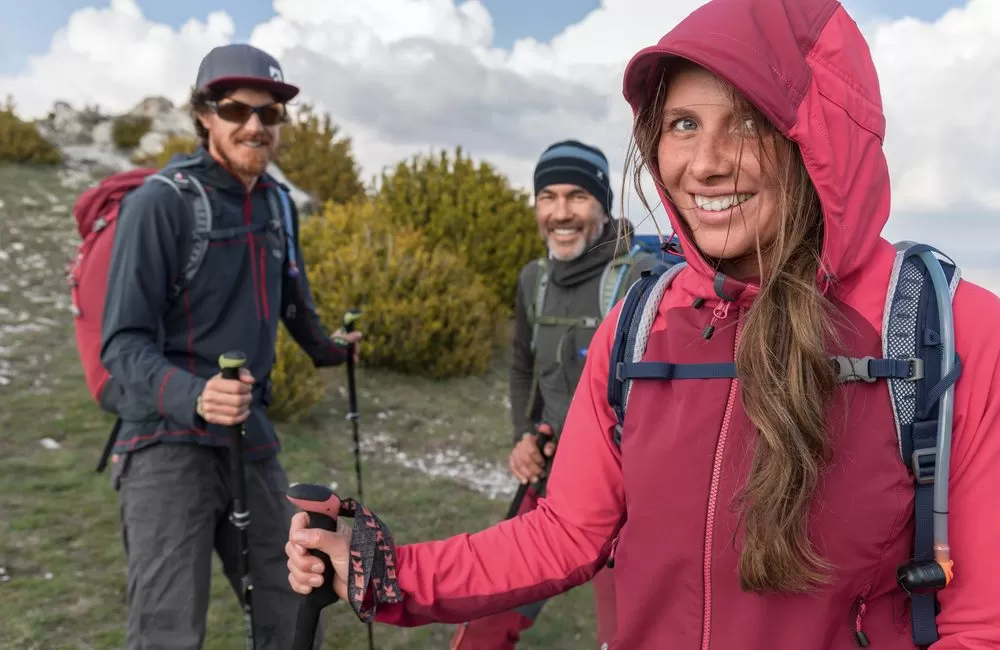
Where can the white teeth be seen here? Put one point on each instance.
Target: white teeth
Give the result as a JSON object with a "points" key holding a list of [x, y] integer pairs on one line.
{"points": [[253, 145], [718, 204]]}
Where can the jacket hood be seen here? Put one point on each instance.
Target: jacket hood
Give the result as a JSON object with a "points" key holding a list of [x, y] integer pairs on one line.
{"points": [[806, 66]]}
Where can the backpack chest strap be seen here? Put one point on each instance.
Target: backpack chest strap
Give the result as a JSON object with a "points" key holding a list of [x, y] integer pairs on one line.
{"points": [[849, 369], [569, 321]]}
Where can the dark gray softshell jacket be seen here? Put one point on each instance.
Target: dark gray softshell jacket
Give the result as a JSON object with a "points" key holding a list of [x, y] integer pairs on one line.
{"points": [[233, 303], [561, 350]]}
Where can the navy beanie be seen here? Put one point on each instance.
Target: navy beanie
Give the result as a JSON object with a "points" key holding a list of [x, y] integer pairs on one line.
{"points": [[573, 162]]}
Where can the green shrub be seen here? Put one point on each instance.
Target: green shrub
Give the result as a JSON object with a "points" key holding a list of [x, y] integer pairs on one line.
{"points": [[314, 159], [423, 312], [20, 141], [471, 209], [297, 383], [174, 145], [127, 131]]}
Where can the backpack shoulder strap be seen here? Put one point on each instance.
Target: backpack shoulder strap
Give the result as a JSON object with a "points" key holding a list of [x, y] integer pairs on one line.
{"points": [[613, 278], [635, 320], [189, 188], [918, 328], [281, 218], [538, 302]]}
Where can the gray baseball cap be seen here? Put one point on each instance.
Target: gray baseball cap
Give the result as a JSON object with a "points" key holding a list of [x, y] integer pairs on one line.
{"points": [[239, 64]]}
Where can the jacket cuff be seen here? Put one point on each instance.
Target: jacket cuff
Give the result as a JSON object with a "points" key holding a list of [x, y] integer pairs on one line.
{"points": [[178, 398]]}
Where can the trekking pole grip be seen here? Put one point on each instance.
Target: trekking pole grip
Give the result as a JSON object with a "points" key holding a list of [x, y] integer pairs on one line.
{"points": [[230, 364], [543, 436], [350, 317], [323, 506]]}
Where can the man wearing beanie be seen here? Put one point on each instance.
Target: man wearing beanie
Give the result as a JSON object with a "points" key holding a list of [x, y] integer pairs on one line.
{"points": [[561, 299]]}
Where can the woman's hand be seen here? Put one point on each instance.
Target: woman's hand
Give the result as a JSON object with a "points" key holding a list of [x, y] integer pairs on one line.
{"points": [[305, 571]]}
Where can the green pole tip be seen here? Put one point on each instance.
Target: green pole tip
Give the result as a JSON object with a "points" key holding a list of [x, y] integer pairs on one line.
{"points": [[232, 360]]}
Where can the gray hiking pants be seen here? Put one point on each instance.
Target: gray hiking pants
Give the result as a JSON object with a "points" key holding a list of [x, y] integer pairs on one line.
{"points": [[175, 502]]}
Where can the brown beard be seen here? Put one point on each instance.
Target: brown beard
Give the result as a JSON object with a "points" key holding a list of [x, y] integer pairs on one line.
{"points": [[241, 167]]}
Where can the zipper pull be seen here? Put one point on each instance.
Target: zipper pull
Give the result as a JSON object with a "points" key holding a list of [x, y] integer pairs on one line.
{"points": [[719, 313], [611, 557], [859, 634]]}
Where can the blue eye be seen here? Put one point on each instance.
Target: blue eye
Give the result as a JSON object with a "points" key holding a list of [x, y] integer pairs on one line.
{"points": [[683, 124]]}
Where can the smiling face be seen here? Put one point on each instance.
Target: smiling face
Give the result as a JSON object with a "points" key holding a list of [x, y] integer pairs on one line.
{"points": [[570, 220], [238, 138], [710, 166]]}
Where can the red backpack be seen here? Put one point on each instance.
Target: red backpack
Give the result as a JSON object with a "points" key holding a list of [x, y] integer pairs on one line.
{"points": [[96, 213]]}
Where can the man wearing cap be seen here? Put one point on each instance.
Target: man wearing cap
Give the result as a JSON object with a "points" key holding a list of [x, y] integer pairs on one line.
{"points": [[171, 456], [561, 299]]}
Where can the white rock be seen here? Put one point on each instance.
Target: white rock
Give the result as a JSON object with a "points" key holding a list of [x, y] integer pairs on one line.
{"points": [[49, 443], [101, 135], [151, 144]]}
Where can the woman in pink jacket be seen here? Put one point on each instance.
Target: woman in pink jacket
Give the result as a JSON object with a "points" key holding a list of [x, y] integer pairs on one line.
{"points": [[773, 511]]}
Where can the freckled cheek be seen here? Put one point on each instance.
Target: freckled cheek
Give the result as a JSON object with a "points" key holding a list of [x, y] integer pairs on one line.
{"points": [[670, 177]]}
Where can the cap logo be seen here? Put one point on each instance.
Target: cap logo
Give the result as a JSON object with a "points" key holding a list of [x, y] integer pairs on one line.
{"points": [[275, 73]]}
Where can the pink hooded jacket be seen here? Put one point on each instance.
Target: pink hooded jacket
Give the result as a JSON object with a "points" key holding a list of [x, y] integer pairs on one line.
{"points": [[664, 501]]}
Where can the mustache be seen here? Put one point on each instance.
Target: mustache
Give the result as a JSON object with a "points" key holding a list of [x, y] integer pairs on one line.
{"points": [[255, 139]]}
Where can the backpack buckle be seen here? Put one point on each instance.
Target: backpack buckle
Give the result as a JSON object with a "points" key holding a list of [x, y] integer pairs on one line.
{"points": [[923, 462], [916, 369], [851, 369]]}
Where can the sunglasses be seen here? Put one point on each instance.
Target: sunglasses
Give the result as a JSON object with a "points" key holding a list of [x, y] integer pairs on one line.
{"points": [[238, 112]]}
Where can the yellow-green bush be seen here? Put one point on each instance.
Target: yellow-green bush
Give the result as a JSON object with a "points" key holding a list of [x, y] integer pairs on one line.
{"points": [[298, 385], [316, 160], [127, 131], [471, 209], [20, 141], [174, 145], [423, 312]]}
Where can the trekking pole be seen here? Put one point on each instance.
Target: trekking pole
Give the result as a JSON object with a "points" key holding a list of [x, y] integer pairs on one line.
{"points": [[350, 317], [542, 438], [323, 507], [230, 364]]}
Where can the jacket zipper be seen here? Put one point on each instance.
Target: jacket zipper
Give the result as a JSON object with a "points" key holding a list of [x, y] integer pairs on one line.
{"points": [[720, 447], [263, 282], [248, 220]]}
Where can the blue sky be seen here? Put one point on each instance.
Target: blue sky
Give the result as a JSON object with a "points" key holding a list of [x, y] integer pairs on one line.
{"points": [[27, 28]]}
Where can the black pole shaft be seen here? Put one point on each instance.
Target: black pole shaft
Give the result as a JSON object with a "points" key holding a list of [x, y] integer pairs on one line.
{"points": [[230, 364], [354, 417]]}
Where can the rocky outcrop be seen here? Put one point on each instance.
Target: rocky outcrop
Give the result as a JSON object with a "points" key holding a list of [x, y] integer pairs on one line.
{"points": [[85, 138]]}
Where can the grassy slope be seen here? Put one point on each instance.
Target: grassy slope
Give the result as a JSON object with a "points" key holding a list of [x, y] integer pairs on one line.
{"points": [[59, 536]]}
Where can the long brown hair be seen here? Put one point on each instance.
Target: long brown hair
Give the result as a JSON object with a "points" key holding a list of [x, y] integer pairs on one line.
{"points": [[782, 361]]}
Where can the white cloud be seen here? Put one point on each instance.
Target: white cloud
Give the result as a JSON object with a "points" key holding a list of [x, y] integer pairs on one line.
{"points": [[939, 84], [113, 57], [402, 76]]}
